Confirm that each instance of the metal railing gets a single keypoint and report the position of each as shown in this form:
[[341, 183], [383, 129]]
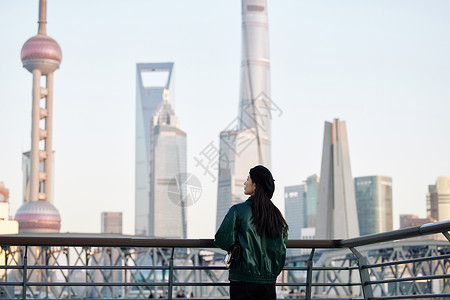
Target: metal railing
[[377, 266]]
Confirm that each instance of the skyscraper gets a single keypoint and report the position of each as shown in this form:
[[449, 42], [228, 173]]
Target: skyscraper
[[295, 209], [248, 140], [312, 189], [438, 199], [374, 204], [413, 220], [41, 55], [160, 155], [336, 207], [112, 222], [7, 226], [432, 202], [295, 213]]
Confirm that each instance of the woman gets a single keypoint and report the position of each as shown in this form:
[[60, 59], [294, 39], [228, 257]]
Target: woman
[[262, 235]]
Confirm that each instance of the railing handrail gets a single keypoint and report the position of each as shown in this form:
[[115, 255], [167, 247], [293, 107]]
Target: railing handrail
[[142, 275], [404, 233], [77, 240], [99, 241]]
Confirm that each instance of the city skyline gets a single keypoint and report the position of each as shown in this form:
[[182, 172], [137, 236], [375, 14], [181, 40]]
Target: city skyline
[[382, 67]]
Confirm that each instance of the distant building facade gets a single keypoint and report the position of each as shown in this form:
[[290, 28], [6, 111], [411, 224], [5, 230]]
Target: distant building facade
[[112, 222], [308, 233], [408, 220], [295, 213], [160, 155], [413, 220], [312, 190], [7, 226], [300, 202], [374, 204], [336, 207], [4, 193], [432, 202], [295, 209], [438, 199]]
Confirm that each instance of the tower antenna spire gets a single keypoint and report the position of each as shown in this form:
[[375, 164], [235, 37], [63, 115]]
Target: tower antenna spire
[[42, 17], [41, 55]]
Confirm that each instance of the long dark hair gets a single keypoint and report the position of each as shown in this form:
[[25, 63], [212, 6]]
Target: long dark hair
[[266, 217]]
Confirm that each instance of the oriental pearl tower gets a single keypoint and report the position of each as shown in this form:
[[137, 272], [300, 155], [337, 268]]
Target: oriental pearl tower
[[41, 55]]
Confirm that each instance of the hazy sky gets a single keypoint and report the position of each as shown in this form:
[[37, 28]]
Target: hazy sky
[[382, 66]]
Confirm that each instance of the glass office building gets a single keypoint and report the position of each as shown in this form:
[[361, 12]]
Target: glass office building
[[160, 155], [295, 213], [295, 209], [312, 188], [438, 199], [374, 203]]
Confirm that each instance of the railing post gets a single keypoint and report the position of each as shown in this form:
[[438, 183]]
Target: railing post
[[45, 251], [25, 275], [197, 273], [65, 251], [6, 249], [397, 257], [125, 254], [169, 294], [447, 235], [309, 265], [363, 273], [87, 251]]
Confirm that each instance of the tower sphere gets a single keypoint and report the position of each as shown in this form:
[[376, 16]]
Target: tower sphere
[[38, 217], [41, 52]]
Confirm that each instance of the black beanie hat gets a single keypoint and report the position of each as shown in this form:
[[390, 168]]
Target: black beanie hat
[[263, 179]]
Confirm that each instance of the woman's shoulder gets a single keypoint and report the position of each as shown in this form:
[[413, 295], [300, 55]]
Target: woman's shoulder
[[244, 208], [244, 205]]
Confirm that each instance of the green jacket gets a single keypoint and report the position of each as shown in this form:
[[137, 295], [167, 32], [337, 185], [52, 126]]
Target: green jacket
[[262, 259]]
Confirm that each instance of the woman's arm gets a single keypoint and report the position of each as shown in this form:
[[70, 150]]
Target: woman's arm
[[226, 234]]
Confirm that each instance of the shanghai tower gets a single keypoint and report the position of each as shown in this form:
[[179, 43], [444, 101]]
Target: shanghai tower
[[247, 141]]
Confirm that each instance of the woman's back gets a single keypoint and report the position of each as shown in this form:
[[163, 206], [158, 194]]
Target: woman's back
[[260, 231], [262, 259]]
